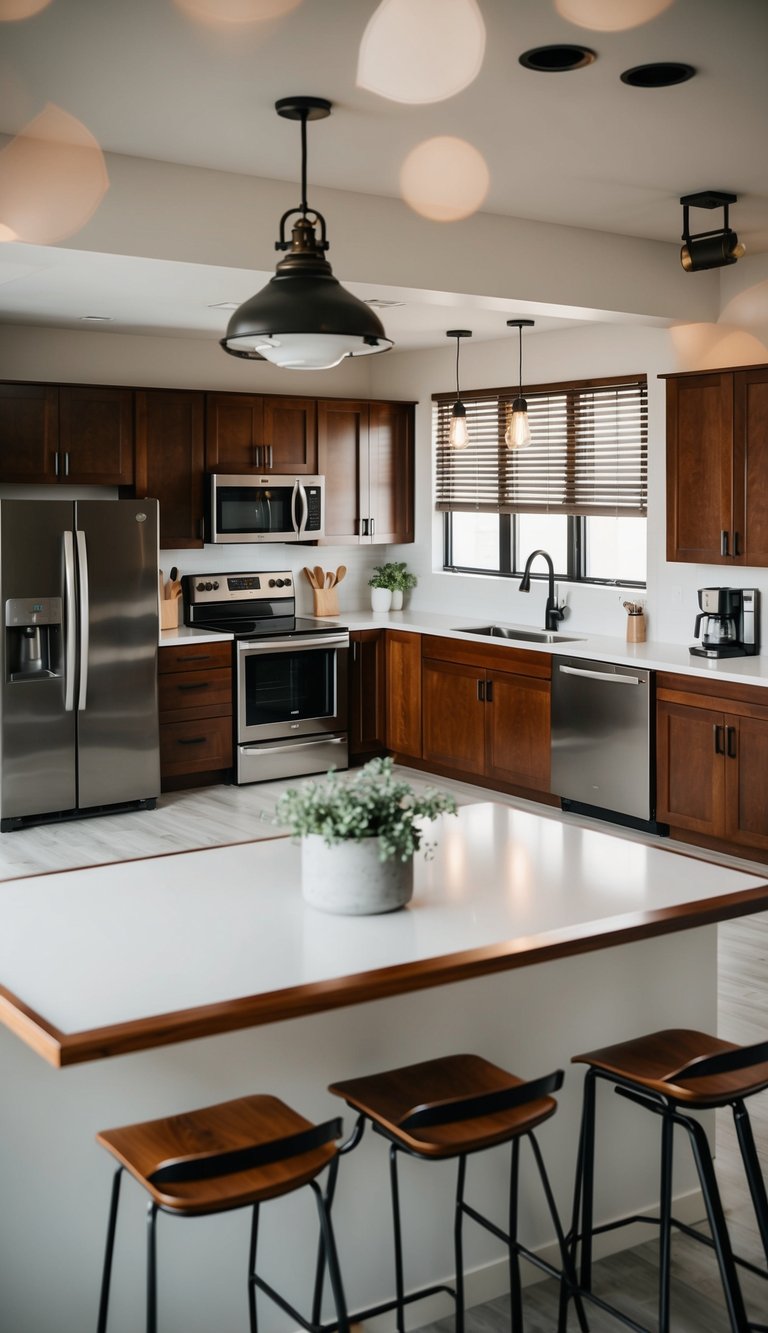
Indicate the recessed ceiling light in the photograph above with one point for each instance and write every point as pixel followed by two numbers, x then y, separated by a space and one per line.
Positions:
pixel 557 59
pixel 662 74
pixel 96 319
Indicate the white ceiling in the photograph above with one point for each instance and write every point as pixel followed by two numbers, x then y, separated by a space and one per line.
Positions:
pixel 580 149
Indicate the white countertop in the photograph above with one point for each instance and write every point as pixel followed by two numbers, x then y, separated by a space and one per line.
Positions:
pixel 184 634
pixel 136 954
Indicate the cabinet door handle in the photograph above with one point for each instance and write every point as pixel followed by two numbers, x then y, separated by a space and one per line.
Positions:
pixel 195 657
pixel 190 740
pixel 481 691
pixel 56 463
pixel 730 734
pixel 717 732
pixel 723 543
pixel 66 463
pixel 364 527
pixel 203 685
pixel 257 452
pixel 372 526
pixel 489 691
pixel 354 650
pixel 269 456
pixel 736 550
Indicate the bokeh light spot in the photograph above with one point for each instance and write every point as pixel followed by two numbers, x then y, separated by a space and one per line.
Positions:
pixel 52 178
pixel 444 179
pixel 421 50
pixel 611 15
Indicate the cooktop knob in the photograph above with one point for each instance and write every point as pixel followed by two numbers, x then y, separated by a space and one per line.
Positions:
pixel 279 583
pixel 216 584
pixel 208 587
pixel 199 587
pixel 272 583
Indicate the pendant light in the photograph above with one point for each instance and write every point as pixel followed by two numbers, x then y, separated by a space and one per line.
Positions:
pixel 518 432
pixel 304 319
pixel 458 435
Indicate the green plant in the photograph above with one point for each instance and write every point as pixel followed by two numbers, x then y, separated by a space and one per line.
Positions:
pixel 394 575
pixel 373 804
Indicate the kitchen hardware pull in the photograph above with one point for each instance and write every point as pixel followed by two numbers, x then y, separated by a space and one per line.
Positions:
pixel 56 464
pixel 723 543
pixel 730 737
pixel 717 732
pixel 268 448
pixel 66 463
pixel 364 527
pixel 190 740
pixel 303 745
pixel 372 526
pixel 481 691
pixel 82 575
pixel 294 645
pixel 197 657
pixel 257 449
pixel 600 675
pixel 69 612
pixel 353 646
pixel 203 685
pixel 489 691
pixel 736 550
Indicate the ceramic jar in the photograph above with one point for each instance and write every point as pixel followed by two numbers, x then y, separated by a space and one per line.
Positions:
pixel 381 599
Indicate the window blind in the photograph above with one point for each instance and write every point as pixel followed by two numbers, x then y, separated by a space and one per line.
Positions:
pixel 588 453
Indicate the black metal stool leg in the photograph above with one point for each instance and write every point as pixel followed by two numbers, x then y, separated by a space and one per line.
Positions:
pixel 729 1277
pixel 332 1258
pixel 458 1243
pixel 586 1184
pixel 399 1286
pixel 752 1170
pixel 152 1268
pixel 252 1317
pixel 515 1283
pixel 106 1278
pixel 665 1220
pixel 569 1279
pixel 317 1298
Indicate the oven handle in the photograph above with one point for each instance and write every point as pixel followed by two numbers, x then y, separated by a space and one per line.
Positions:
pixel 289 745
pixel 278 645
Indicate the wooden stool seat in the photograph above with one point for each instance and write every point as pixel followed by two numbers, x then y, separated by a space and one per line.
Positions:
pixel 406 1103
pixel 217 1140
pixel 671 1063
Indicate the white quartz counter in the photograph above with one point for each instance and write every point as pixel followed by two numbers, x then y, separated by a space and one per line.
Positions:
pixel 184 634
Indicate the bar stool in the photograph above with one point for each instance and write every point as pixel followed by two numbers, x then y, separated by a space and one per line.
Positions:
pixel 671 1073
pixel 234 1155
pixel 448 1108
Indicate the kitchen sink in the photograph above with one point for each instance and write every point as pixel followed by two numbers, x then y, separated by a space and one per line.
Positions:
pixel 511 632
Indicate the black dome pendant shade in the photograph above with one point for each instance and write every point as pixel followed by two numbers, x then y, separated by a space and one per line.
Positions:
pixel 304 319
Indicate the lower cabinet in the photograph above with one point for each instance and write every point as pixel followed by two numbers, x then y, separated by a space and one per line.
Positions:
pixel 367 716
pixel 195 688
pixel 483 721
pixel 404 710
pixel 712 760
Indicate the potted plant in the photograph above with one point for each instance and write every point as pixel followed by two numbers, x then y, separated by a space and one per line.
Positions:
pixel 359 836
pixel 388 583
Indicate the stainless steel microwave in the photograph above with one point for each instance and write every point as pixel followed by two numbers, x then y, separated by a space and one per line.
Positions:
pixel 250 508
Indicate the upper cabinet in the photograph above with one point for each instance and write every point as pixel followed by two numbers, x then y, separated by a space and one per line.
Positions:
pixel 365 452
pixel 717 461
pixel 170 461
pixel 250 432
pixel 72 434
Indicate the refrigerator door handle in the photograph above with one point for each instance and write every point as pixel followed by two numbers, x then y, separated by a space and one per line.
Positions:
pixel 70 611
pixel 82 577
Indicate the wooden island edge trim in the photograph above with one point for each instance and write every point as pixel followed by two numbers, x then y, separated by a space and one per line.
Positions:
pixel 64 1049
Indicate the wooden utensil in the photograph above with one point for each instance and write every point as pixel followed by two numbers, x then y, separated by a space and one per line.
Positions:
pixel 340 572
pixel 320 576
pixel 310 574
pixel 330 579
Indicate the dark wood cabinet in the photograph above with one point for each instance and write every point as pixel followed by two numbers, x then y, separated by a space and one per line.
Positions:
pixel 403 676
pixel 484 720
pixel 78 434
pixel 717 456
pixel 712 758
pixel 367 685
pixel 195 693
pixel 170 461
pixel 365 451
pixel 251 432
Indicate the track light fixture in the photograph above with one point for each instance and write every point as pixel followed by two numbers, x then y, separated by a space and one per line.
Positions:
pixel 304 319
pixel 709 249
pixel 518 432
pixel 458 436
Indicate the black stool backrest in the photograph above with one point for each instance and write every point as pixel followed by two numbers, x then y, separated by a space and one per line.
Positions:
pixel 207 1166
pixel 487 1103
pixel 725 1062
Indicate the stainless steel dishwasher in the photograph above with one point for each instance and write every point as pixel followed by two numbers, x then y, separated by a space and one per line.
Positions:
pixel 602 738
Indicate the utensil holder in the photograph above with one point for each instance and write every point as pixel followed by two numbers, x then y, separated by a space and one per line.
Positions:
pixel 635 627
pixel 170 612
pixel 326 601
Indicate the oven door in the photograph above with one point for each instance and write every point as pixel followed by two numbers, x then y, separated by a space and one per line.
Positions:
pixel 291 687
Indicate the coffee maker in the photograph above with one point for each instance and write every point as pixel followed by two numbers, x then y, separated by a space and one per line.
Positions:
pixel 728 622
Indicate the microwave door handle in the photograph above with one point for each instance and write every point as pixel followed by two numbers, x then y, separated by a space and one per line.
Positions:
pixel 82 578
pixel 70 613
pixel 304 509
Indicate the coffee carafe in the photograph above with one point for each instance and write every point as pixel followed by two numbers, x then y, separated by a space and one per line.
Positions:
pixel 726 623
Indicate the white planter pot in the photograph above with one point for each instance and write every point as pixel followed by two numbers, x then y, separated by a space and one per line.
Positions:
pixel 397 599
pixel 350 880
pixel 381 599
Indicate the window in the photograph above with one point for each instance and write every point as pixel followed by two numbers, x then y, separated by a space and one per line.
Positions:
pixel 579 490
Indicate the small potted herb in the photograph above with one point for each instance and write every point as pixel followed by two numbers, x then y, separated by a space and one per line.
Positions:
pixel 359 836
pixel 393 578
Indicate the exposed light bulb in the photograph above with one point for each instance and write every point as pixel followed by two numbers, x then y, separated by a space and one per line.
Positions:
pixel 458 436
pixel 518 432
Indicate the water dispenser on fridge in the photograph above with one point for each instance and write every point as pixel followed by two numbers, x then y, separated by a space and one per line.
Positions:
pixel 33 638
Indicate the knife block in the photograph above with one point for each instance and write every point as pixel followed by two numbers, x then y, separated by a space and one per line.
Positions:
pixel 170 612
pixel 326 601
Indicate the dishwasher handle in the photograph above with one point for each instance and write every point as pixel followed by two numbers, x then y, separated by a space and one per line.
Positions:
pixel 601 675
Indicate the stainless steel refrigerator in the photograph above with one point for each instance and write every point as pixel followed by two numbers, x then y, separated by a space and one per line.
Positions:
pixel 78 708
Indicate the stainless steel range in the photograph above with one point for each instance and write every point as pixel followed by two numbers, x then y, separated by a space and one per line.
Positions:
pixel 290 673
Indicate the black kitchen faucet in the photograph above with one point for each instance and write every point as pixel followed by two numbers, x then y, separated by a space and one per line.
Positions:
pixel 552 612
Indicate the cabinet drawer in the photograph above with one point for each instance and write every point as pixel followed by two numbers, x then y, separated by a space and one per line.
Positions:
pixel 194 656
pixel 203 691
pixel 195 746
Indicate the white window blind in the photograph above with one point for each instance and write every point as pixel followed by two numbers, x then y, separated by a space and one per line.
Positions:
pixel 588 453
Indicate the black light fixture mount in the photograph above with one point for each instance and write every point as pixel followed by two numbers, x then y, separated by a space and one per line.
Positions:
pixel 518 432
pixel 709 249
pixel 458 436
pixel 304 319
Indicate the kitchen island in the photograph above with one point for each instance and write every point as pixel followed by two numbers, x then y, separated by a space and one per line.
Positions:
pixel 527 940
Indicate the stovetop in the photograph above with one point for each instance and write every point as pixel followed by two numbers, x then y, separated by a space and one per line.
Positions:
pixel 288 627
pixel 248 605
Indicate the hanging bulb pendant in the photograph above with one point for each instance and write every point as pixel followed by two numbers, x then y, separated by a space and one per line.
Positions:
pixel 518 432
pixel 458 435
